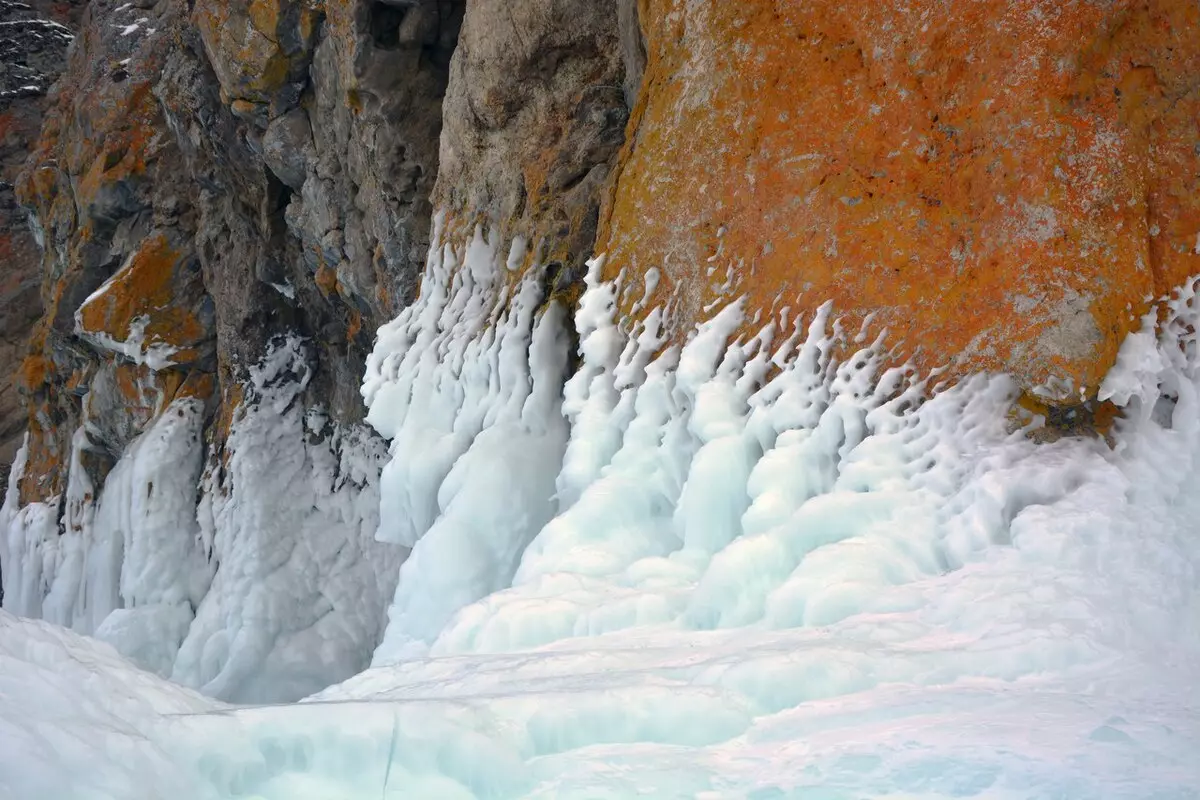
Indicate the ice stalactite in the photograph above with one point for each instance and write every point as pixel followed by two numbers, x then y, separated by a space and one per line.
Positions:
pixel 270 588
pixel 126 565
pixel 793 478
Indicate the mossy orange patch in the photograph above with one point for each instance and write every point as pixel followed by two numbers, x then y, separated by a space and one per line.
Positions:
pixel 1003 185
pixel 147 291
pixel 36 369
pixel 326 280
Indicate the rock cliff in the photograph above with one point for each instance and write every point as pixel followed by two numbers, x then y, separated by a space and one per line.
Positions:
pixel 227 200
pixel 1003 185
pixel 32 48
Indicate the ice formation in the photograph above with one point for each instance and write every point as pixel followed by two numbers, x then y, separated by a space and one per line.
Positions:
pixel 766 566
pixel 272 590
pixel 298 597
pixel 466 384
pixel 128 566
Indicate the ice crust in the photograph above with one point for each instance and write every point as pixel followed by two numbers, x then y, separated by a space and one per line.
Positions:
pixel 742 568
pixel 273 589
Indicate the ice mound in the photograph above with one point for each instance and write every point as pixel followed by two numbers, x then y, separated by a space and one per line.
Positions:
pixel 78 721
pixel 766 566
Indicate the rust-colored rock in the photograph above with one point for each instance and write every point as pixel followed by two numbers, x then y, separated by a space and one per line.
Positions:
pixel 154 303
pixel 1005 183
pixel 32 48
pixel 260 49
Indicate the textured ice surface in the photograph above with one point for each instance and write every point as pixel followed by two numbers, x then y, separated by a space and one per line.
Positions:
pixel 466 383
pixel 744 568
pixel 273 590
pixel 298 595
pixel 128 567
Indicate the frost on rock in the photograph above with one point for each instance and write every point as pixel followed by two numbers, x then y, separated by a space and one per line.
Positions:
pixel 288 516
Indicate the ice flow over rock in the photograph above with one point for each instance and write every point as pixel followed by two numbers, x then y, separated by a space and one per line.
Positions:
pixel 760 567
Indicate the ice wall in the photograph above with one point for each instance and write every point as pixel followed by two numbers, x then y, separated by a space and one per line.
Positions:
pixel 467 385
pixel 128 565
pixel 269 588
pixel 758 483
pixel 289 517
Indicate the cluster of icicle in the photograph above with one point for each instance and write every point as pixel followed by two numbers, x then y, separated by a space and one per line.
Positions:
pixel 795 477
pixel 277 558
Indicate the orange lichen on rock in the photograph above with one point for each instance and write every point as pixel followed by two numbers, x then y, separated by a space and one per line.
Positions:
pixel 132 133
pixel 326 279
pixel 146 295
pixel 257 47
pixel 35 371
pixel 42 480
pixel 145 393
pixel 1006 183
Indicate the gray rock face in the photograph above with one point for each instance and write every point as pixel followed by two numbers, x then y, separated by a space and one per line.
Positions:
pixel 534 118
pixel 363 215
pixel 34 37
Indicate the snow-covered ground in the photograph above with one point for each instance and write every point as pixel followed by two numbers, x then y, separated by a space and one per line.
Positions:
pixel 741 569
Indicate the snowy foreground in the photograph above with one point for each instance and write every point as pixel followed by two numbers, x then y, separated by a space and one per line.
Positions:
pixel 740 569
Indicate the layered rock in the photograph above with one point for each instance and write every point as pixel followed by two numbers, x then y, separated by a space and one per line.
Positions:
pixel 32 53
pixel 1002 185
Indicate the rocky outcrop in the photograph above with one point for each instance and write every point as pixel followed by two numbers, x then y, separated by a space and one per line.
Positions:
pixel 34 37
pixel 232 197
pixel 534 119
pixel 1003 185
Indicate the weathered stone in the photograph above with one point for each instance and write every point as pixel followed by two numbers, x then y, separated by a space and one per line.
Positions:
pixel 1004 183
pixel 259 49
pixel 191 216
pixel 378 77
pixel 287 147
pixel 534 116
pixel 153 309
pixel 103 186
pixel 32 53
